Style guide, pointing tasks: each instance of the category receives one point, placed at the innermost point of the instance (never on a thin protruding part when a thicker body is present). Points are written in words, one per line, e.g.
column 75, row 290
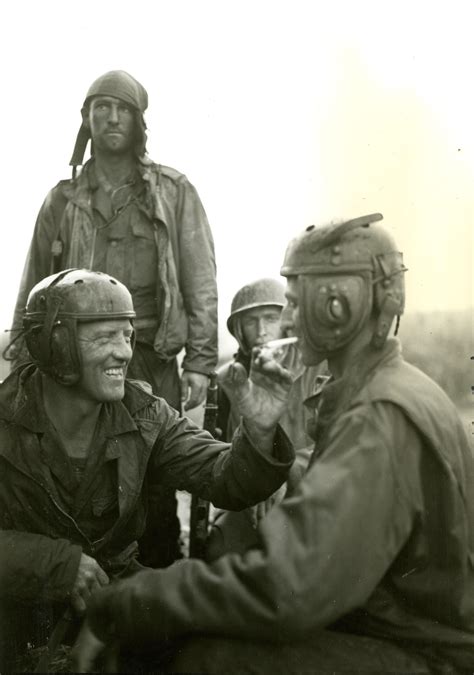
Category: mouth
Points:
column 115, row 373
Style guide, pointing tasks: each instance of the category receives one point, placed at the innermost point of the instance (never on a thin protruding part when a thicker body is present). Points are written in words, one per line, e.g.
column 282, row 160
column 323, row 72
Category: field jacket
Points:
column 378, row 537
column 41, row 544
column 64, row 237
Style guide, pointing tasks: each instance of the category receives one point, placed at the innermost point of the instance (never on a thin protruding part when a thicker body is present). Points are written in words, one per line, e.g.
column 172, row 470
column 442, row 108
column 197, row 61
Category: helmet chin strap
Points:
column 389, row 310
column 390, row 306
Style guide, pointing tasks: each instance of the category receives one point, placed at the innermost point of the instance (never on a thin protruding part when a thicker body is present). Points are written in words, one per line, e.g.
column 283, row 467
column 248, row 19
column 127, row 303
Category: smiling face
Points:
column 111, row 123
column 105, row 349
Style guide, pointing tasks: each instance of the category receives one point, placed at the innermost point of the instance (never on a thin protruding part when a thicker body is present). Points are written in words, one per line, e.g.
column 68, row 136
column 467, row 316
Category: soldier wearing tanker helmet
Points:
column 366, row 564
column 82, row 448
column 144, row 224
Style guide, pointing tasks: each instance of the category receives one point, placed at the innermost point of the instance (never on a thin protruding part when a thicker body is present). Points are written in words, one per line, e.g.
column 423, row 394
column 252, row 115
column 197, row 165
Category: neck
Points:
column 115, row 168
column 71, row 415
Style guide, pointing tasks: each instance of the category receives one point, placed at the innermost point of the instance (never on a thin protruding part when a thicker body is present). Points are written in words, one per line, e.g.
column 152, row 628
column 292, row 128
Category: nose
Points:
column 113, row 114
column 261, row 328
column 123, row 350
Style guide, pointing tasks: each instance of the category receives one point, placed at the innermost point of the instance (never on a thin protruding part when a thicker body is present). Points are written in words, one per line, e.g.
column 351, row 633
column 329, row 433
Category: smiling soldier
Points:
column 81, row 448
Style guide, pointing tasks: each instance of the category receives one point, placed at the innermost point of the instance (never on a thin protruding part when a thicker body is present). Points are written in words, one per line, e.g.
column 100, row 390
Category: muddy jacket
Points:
column 186, row 284
column 41, row 543
column 378, row 536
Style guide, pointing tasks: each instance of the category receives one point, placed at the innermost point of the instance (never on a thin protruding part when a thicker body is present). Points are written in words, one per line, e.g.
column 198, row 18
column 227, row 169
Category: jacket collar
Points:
column 334, row 396
column 79, row 190
column 21, row 402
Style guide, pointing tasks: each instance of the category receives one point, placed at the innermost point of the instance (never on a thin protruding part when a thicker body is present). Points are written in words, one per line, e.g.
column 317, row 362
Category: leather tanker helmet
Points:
column 260, row 293
column 346, row 272
column 54, row 308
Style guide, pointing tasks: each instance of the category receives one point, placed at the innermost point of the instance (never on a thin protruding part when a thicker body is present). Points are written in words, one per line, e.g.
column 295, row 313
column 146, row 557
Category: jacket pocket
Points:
column 143, row 256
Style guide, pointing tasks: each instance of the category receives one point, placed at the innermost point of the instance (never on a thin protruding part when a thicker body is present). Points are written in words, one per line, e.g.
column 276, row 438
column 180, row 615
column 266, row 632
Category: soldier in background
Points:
column 258, row 316
column 144, row 224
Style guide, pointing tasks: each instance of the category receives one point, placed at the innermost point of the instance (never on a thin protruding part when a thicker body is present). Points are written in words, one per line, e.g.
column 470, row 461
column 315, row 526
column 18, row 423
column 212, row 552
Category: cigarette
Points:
column 281, row 343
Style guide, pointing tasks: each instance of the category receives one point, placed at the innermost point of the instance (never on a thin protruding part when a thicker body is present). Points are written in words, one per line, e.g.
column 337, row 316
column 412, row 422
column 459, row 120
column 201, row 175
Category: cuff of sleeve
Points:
column 283, row 453
column 199, row 365
column 201, row 371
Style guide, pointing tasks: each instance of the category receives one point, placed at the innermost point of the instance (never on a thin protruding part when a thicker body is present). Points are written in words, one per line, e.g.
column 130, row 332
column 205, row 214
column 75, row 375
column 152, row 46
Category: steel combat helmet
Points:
column 346, row 272
column 54, row 308
column 259, row 293
column 122, row 85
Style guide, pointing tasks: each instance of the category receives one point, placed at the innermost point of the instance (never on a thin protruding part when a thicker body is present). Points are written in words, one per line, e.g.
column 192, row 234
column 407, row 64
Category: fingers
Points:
column 196, row 396
column 193, row 389
column 86, row 650
column 89, row 579
column 264, row 364
column 102, row 577
column 184, row 389
column 236, row 375
column 78, row 604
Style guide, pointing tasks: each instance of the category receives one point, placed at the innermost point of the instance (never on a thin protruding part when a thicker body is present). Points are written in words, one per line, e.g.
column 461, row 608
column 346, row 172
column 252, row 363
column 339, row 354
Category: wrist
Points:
column 261, row 437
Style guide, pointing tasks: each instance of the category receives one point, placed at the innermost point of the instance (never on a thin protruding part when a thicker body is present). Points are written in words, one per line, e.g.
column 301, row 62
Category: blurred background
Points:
column 282, row 114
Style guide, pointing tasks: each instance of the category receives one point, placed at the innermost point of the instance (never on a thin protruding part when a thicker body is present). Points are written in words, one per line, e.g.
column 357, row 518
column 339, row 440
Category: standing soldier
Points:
column 144, row 224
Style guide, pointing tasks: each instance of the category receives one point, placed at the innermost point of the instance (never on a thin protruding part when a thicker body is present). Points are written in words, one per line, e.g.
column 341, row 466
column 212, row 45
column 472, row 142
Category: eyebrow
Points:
column 110, row 99
column 111, row 333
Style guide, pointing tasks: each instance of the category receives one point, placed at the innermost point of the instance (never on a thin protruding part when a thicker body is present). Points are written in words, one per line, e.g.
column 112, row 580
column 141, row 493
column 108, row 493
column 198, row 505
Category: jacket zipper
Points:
column 64, row 513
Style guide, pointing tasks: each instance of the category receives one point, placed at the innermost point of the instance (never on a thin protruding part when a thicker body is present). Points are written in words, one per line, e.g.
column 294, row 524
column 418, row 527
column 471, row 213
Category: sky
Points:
column 282, row 114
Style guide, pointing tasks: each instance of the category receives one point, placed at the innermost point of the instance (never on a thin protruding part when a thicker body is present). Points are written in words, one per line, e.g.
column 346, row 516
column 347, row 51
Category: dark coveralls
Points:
column 52, row 510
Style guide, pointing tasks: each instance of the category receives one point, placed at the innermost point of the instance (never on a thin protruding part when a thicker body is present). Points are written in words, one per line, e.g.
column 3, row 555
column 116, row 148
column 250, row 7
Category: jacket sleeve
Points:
column 38, row 260
column 197, row 276
column 33, row 566
column 314, row 564
column 230, row 476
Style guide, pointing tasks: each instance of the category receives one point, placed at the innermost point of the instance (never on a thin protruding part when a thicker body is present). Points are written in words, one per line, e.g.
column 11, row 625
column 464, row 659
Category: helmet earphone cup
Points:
column 334, row 309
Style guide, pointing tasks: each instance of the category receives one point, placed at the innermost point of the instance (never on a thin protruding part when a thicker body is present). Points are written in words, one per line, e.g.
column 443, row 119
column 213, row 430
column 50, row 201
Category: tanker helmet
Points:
column 347, row 271
column 54, row 308
column 260, row 293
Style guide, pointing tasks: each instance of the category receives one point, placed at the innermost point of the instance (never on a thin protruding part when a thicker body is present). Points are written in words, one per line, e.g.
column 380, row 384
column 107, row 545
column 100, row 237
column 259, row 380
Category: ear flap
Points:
column 54, row 351
column 333, row 309
column 64, row 363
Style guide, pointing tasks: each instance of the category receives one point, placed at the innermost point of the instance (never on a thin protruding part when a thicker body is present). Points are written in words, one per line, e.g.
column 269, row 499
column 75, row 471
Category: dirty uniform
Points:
column 152, row 235
column 52, row 510
column 375, row 547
